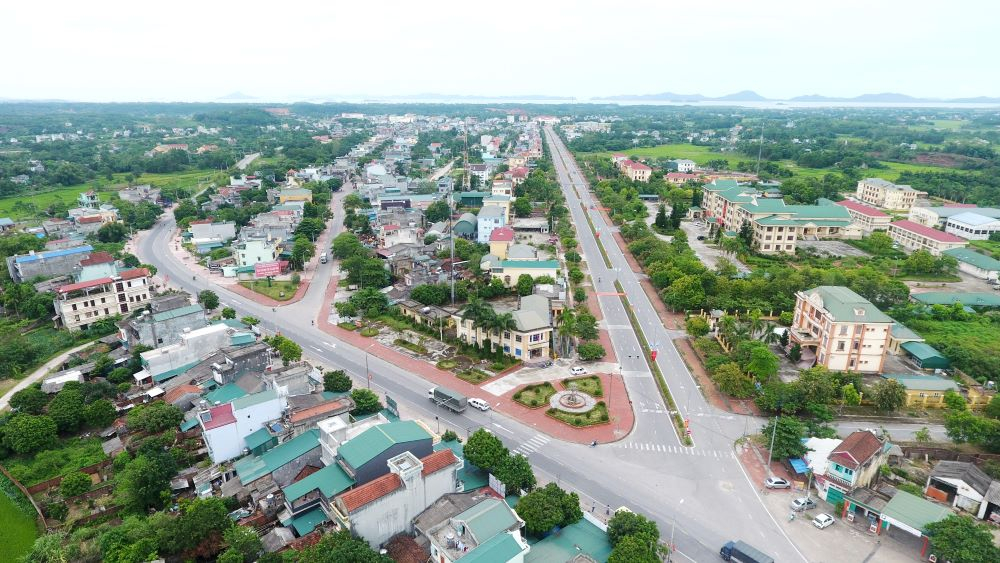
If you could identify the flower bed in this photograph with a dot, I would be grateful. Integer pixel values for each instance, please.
(447, 364)
(473, 376)
(536, 395)
(368, 331)
(589, 384)
(595, 416)
(415, 348)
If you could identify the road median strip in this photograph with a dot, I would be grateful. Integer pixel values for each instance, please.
(593, 229)
(661, 383)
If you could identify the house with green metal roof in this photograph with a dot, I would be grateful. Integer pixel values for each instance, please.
(316, 489)
(924, 391)
(975, 263)
(253, 468)
(365, 456)
(912, 514)
(839, 329)
(925, 355)
(977, 299)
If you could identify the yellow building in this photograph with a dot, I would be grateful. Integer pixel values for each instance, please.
(924, 391)
(295, 194)
(530, 338)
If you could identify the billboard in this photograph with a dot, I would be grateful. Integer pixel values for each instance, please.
(266, 269)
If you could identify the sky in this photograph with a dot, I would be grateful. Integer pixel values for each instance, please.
(184, 50)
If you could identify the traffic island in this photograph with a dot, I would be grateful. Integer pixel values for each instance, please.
(593, 417)
(536, 395)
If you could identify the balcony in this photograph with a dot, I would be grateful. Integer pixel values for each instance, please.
(804, 337)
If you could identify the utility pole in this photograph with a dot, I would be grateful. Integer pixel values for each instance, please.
(770, 451)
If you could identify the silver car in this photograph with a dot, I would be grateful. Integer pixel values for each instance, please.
(804, 503)
(777, 483)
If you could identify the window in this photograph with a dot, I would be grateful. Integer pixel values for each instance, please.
(843, 330)
(517, 338)
(536, 337)
(840, 346)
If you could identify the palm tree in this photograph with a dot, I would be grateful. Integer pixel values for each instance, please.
(486, 319)
(504, 322)
(756, 322)
(769, 336)
(727, 325)
(567, 325)
(474, 309)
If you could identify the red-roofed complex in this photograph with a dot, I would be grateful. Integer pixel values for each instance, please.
(852, 464)
(370, 492)
(81, 304)
(97, 258)
(868, 218)
(438, 461)
(635, 171)
(914, 236)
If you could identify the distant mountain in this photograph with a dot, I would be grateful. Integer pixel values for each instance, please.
(237, 96)
(662, 97)
(743, 96)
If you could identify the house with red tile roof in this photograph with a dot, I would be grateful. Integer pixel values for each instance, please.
(386, 506)
(913, 236)
(866, 217)
(635, 171)
(852, 464)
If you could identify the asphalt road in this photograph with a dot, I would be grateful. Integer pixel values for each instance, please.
(700, 493)
(246, 160)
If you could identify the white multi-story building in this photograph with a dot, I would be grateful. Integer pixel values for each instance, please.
(840, 330)
(885, 194)
(914, 236)
(490, 217)
(938, 216)
(972, 226)
(78, 305)
(225, 427)
(684, 165)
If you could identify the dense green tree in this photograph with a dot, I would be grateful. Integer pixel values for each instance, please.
(430, 294)
(590, 351)
(525, 284)
(228, 313)
(888, 395)
(543, 509)
(370, 302)
(66, 408)
(685, 294)
(697, 326)
(99, 414)
(634, 549)
(208, 298)
(145, 482)
(74, 484)
(337, 381)
(763, 364)
(522, 207)
(289, 350)
(787, 438)
(954, 401)
(154, 417)
(244, 545)
(30, 400)
(365, 402)
(732, 381)
(439, 210)
(485, 451)
(516, 474)
(992, 409)
(585, 325)
(339, 547)
(962, 540)
(26, 433)
(347, 245)
(627, 523)
(112, 232)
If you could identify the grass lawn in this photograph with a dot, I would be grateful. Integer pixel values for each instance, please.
(697, 153)
(43, 197)
(18, 532)
(447, 364)
(988, 247)
(535, 396)
(589, 384)
(929, 277)
(415, 348)
(473, 376)
(274, 291)
(596, 415)
(368, 331)
(974, 347)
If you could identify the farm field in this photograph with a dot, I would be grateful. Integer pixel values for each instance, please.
(43, 197)
(18, 532)
(701, 155)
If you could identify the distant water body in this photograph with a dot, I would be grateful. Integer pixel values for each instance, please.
(770, 104)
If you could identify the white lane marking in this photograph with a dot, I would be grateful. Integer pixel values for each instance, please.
(503, 429)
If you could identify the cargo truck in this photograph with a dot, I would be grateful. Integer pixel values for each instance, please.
(451, 400)
(742, 552)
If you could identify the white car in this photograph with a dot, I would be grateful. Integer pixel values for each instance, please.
(823, 521)
(577, 370)
(479, 404)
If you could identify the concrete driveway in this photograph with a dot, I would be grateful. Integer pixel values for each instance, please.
(709, 255)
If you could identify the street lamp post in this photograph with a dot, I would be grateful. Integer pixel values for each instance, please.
(770, 451)
(672, 526)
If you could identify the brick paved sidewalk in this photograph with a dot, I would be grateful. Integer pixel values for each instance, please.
(620, 410)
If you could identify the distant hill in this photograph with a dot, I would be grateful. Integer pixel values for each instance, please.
(751, 96)
(237, 96)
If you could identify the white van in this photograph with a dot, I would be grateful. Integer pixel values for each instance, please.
(322, 258)
(479, 404)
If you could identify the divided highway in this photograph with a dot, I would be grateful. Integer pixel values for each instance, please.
(700, 493)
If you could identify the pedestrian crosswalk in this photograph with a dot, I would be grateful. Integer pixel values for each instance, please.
(663, 448)
(533, 444)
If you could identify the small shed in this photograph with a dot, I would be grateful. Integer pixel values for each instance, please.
(912, 514)
(55, 383)
(959, 483)
(926, 356)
